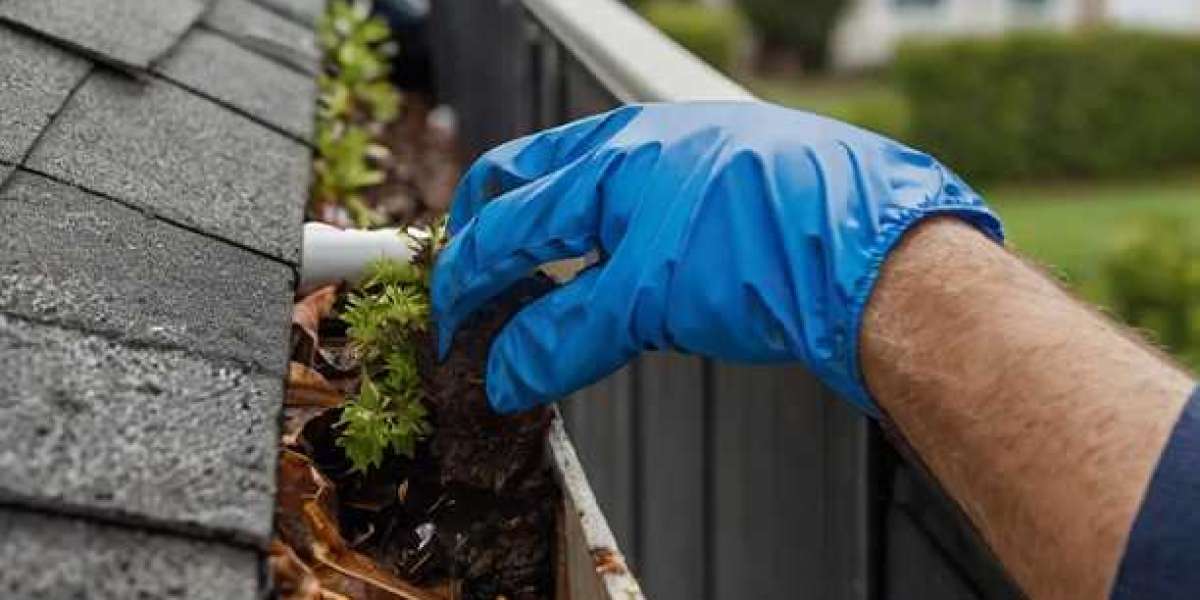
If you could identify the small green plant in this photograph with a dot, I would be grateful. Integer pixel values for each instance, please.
(385, 316)
(356, 100)
(358, 51)
(343, 169)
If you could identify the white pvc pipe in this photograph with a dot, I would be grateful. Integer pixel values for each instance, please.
(332, 255)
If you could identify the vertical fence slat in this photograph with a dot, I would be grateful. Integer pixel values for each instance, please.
(484, 70)
(915, 568)
(945, 535)
(851, 506)
(584, 95)
(672, 534)
(769, 511)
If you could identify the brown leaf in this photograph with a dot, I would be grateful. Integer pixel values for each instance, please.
(306, 318)
(295, 418)
(293, 579)
(357, 567)
(299, 483)
(306, 506)
(307, 387)
(348, 571)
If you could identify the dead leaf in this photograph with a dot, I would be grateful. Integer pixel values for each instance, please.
(306, 318)
(337, 360)
(306, 505)
(331, 551)
(307, 387)
(295, 418)
(300, 482)
(384, 585)
(293, 579)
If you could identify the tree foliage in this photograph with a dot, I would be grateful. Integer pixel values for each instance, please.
(804, 27)
(714, 35)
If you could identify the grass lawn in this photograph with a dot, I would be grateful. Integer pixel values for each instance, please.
(1071, 227)
(872, 103)
(818, 95)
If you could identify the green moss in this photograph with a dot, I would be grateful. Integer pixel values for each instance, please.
(385, 316)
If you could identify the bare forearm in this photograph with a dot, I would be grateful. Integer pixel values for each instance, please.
(1042, 419)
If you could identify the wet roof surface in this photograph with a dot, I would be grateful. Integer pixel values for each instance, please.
(153, 174)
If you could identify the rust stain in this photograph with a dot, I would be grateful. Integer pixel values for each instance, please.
(608, 562)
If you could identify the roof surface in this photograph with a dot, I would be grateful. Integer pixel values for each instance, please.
(153, 174)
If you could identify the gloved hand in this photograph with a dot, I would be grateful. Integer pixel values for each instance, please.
(740, 231)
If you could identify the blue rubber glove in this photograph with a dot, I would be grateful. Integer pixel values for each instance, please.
(740, 231)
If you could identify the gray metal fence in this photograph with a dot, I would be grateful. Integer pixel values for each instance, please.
(721, 482)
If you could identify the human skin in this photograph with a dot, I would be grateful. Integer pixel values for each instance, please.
(1040, 417)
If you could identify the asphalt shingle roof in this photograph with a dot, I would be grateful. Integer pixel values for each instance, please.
(54, 557)
(36, 78)
(266, 32)
(153, 176)
(158, 146)
(120, 272)
(303, 11)
(95, 427)
(125, 32)
(228, 73)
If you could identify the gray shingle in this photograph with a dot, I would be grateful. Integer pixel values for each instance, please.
(130, 33)
(35, 79)
(304, 11)
(183, 157)
(273, 35)
(70, 257)
(136, 434)
(55, 558)
(231, 74)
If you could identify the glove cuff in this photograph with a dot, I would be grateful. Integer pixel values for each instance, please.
(968, 207)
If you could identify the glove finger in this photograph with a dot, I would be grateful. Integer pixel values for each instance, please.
(517, 163)
(549, 219)
(564, 341)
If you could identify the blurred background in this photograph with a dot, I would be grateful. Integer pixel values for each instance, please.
(1079, 120)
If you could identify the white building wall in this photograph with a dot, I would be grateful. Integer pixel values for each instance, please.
(1166, 14)
(871, 29)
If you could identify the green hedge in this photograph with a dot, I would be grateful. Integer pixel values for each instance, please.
(714, 35)
(1154, 283)
(1044, 104)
